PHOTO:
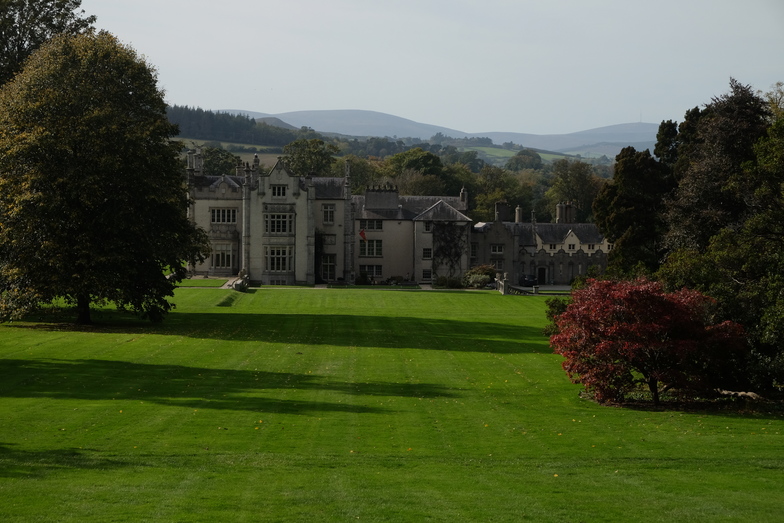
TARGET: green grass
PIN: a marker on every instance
(203, 282)
(500, 156)
(337, 405)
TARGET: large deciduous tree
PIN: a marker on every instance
(312, 157)
(218, 161)
(26, 24)
(92, 201)
(617, 335)
(574, 181)
(524, 159)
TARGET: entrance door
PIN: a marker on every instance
(541, 275)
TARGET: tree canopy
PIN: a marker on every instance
(26, 24)
(708, 210)
(616, 335)
(629, 211)
(711, 186)
(92, 206)
(574, 181)
(311, 157)
(524, 159)
(218, 161)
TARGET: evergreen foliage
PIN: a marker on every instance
(706, 215)
(199, 124)
(629, 212)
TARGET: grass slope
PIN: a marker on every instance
(322, 405)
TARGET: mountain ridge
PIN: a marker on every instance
(607, 140)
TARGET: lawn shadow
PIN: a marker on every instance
(26, 464)
(193, 387)
(326, 329)
(719, 407)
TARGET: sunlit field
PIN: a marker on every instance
(341, 405)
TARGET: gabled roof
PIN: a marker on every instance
(557, 232)
(280, 165)
(547, 232)
(419, 204)
(442, 212)
(408, 207)
(215, 181)
(230, 181)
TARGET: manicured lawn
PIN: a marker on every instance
(336, 405)
(203, 282)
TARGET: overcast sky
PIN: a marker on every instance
(543, 67)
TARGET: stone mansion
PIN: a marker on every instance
(281, 228)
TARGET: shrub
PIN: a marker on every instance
(616, 335)
(477, 281)
(448, 282)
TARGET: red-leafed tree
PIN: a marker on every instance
(616, 335)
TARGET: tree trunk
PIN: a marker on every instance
(653, 385)
(83, 309)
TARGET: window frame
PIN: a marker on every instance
(329, 264)
(370, 249)
(278, 224)
(223, 215)
(222, 256)
(372, 271)
(328, 213)
(278, 258)
(278, 191)
(371, 225)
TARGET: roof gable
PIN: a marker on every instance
(442, 212)
(558, 232)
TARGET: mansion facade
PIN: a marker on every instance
(281, 228)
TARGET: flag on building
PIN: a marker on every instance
(362, 234)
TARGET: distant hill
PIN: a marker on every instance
(606, 141)
(356, 123)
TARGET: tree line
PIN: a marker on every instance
(194, 122)
(705, 212)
